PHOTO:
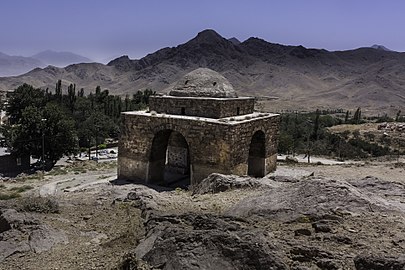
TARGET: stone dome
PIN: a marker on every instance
(203, 82)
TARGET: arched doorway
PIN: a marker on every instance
(257, 155)
(169, 162)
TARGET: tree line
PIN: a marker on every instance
(307, 133)
(65, 121)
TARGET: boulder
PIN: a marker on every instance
(379, 262)
(290, 159)
(303, 231)
(193, 241)
(12, 242)
(309, 253)
(4, 224)
(216, 182)
(282, 178)
(321, 226)
(20, 232)
(11, 219)
(43, 238)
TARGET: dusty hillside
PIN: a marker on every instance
(347, 216)
(302, 78)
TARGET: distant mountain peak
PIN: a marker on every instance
(122, 63)
(234, 40)
(208, 32)
(16, 65)
(381, 47)
(208, 36)
(60, 59)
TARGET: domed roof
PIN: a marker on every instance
(203, 82)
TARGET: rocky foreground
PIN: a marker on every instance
(301, 221)
(288, 223)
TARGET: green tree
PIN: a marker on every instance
(83, 109)
(347, 117)
(1, 102)
(315, 134)
(36, 123)
(24, 137)
(58, 91)
(60, 133)
(285, 143)
(398, 116)
(357, 116)
(72, 97)
(22, 97)
(95, 129)
(81, 93)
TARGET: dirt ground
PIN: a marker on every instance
(101, 225)
(99, 230)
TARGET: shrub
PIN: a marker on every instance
(102, 146)
(8, 196)
(21, 189)
(39, 204)
(58, 171)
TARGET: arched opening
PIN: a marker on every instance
(169, 162)
(257, 155)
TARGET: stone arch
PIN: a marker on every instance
(169, 160)
(257, 155)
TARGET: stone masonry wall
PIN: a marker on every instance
(242, 137)
(203, 107)
(214, 146)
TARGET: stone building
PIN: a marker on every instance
(201, 127)
(11, 164)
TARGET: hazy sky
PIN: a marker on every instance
(104, 29)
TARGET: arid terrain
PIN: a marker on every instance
(301, 78)
(303, 216)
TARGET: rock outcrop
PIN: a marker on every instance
(307, 223)
(20, 233)
(379, 262)
(216, 182)
(195, 241)
(322, 197)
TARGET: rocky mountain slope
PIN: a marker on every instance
(301, 78)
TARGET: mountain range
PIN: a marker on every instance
(16, 65)
(372, 77)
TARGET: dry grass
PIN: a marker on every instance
(8, 195)
(21, 188)
(351, 128)
(12, 193)
(39, 204)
